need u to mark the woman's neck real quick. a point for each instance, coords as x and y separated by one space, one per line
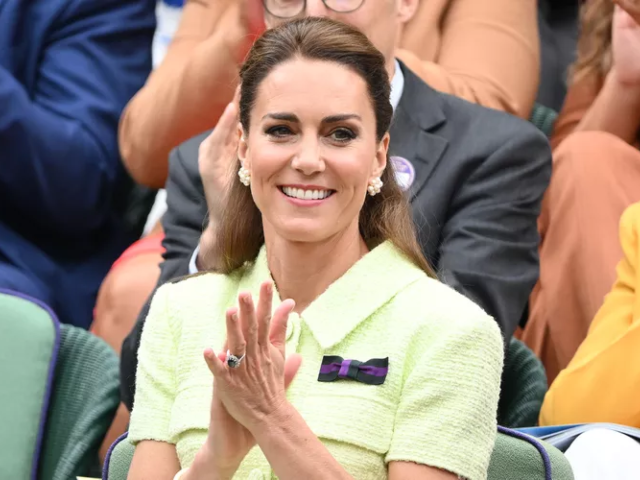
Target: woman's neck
302 271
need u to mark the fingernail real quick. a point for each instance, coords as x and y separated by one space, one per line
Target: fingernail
234 317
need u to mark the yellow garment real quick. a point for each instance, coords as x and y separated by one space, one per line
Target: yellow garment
437 405
602 382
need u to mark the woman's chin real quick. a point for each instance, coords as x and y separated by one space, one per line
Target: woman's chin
302 237
303 232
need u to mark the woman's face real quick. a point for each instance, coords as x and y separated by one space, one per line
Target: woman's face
312 150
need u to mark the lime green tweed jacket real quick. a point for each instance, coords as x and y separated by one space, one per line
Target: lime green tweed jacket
437 405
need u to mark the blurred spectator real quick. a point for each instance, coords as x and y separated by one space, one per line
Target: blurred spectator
168 16
67 68
602 381
128 283
126 288
596 174
485 52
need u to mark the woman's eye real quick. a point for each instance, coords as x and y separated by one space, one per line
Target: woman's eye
279 131
342 135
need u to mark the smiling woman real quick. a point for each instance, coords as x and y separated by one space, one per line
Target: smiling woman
297 149
367 367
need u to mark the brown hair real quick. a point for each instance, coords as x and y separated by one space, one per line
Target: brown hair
385 216
594 44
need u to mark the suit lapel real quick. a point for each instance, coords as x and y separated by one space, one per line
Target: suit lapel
413 131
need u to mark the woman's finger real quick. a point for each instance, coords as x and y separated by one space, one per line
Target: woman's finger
236 343
278 331
249 324
215 364
264 314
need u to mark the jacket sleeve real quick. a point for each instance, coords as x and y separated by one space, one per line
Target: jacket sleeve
58 147
600 384
430 400
489 53
183 224
489 247
185 95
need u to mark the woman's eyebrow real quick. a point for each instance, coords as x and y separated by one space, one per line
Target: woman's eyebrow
341 118
287 117
292 118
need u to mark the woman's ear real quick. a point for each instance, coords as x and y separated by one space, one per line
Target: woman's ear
243 148
381 156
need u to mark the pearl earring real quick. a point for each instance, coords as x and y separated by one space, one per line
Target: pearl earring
245 176
375 185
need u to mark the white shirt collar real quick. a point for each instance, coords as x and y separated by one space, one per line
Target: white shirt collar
397 86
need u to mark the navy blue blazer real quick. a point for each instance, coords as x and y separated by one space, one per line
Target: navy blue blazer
67 69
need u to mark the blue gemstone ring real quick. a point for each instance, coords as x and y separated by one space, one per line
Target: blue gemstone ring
233 361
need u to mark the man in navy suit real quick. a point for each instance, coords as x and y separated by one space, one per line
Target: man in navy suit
67 69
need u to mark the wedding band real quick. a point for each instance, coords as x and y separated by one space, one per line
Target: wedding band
233 361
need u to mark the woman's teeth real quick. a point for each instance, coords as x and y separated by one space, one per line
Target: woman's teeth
306 194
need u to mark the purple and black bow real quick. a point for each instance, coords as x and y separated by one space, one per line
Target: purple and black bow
372 372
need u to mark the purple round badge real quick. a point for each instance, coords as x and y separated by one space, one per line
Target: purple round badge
405 173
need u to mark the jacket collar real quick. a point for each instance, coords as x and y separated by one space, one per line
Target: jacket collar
352 298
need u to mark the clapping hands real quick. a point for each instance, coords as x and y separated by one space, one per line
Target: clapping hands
244 398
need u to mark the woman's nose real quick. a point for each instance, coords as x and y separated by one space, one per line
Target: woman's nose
308 159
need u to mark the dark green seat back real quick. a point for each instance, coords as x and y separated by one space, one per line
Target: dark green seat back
524 385
543 118
29 341
84 401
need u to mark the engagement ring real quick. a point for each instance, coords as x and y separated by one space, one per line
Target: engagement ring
233 361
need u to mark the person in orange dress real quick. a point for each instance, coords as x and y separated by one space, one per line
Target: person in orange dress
596 175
